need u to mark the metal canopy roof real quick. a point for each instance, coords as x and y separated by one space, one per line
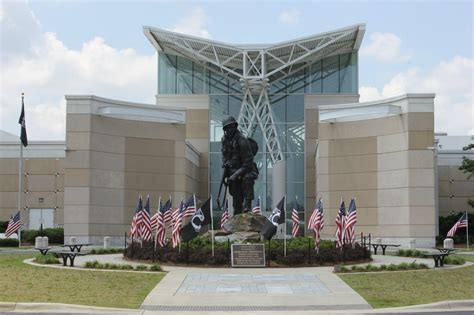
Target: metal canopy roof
260 61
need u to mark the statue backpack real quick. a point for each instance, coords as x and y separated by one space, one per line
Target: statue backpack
253 145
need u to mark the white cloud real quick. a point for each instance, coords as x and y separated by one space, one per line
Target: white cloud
51 70
452 81
193 23
385 47
290 16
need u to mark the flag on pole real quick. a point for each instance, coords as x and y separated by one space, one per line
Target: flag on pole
169 211
351 220
154 218
277 217
316 222
296 222
136 220
177 219
190 207
461 223
22 122
13 225
161 220
257 209
225 214
340 224
201 217
146 223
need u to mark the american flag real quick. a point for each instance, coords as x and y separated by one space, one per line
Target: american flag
340 224
13 225
190 207
169 212
160 228
154 218
177 221
257 209
146 223
351 220
316 222
225 214
461 223
296 222
136 220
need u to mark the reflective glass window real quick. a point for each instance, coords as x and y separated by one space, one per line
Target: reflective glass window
316 77
218 84
199 79
348 73
184 76
331 74
166 74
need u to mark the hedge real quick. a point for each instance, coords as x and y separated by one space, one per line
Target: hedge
55 236
300 252
8 242
3 226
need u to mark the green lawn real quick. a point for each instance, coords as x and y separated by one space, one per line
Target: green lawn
394 289
27 283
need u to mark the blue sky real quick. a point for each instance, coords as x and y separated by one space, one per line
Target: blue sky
97 47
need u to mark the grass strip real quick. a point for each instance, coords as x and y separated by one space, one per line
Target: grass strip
413 287
28 283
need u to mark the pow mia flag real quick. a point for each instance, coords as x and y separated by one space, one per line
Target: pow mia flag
277 217
22 122
200 218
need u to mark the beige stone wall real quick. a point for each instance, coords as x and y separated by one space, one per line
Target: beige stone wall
111 161
387 164
43 185
312 103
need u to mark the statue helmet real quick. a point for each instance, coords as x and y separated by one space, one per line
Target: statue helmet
229 121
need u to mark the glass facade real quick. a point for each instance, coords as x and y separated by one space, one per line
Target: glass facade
334 74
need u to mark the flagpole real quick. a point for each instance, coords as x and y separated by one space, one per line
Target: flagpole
284 240
467 231
20 173
212 229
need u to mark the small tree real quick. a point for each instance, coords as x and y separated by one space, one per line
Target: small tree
467 167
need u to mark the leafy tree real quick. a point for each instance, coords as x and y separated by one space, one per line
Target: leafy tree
467 167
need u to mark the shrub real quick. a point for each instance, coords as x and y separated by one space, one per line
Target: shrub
47 259
300 252
392 267
383 267
55 236
104 251
126 267
403 266
3 226
454 260
354 268
369 267
141 267
8 242
344 269
155 267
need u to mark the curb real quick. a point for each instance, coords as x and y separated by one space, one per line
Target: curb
55 307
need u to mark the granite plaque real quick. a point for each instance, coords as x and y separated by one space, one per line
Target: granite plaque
248 255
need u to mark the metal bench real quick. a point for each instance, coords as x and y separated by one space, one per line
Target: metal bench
75 247
384 247
71 256
438 258
43 250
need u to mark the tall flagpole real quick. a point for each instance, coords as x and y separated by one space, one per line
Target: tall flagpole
20 177
467 231
284 239
212 229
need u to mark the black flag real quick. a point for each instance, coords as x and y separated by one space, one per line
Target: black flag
276 218
200 218
21 121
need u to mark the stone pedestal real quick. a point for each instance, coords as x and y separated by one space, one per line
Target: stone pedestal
72 240
45 241
448 243
106 242
38 242
412 243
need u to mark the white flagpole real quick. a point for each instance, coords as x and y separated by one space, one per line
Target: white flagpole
212 229
467 231
284 240
20 177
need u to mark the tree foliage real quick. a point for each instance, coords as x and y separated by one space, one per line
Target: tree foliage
467 167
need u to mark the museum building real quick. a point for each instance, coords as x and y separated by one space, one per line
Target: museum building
298 99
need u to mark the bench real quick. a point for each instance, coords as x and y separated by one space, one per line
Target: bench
75 247
71 256
43 250
384 246
446 250
438 258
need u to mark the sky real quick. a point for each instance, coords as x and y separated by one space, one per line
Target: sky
49 49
